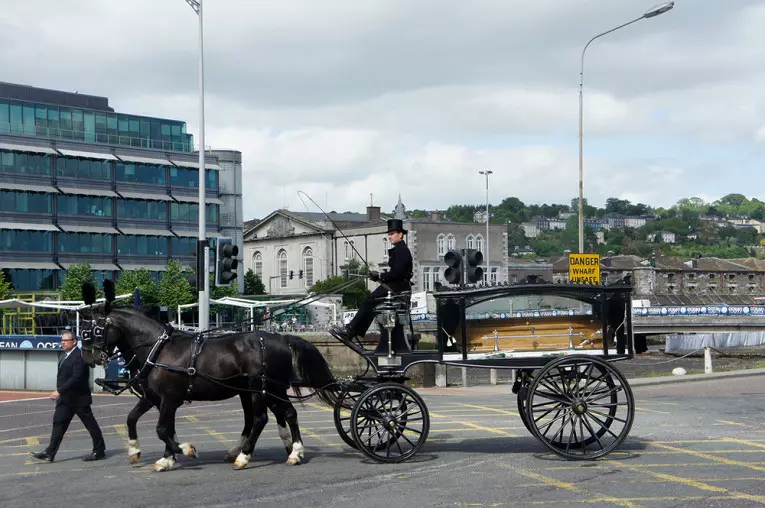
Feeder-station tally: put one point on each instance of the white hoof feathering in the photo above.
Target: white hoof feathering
(134, 450)
(234, 452)
(241, 461)
(188, 450)
(297, 454)
(164, 464)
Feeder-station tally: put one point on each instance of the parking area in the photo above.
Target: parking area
(696, 444)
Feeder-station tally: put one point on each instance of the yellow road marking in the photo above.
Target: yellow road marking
(745, 442)
(691, 483)
(733, 423)
(491, 409)
(121, 430)
(567, 486)
(708, 456)
(646, 410)
(488, 429)
(217, 435)
(32, 441)
(191, 419)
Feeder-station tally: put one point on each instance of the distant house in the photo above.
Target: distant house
(663, 236)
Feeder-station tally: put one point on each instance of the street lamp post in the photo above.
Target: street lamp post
(488, 264)
(650, 13)
(204, 290)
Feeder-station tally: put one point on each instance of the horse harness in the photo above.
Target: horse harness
(99, 330)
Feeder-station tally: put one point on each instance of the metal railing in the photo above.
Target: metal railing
(18, 129)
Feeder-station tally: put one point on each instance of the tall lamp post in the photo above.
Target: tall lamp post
(202, 250)
(488, 265)
(650, 13)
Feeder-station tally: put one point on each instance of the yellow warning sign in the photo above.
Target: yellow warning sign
(584, 268)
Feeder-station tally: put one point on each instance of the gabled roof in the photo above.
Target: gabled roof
(289, 215)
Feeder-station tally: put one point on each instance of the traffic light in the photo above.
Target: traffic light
(225, 261)
(473, 271)
(453, 260)
(292, 274)
(300, 274)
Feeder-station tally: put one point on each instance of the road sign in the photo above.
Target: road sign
(584, 268)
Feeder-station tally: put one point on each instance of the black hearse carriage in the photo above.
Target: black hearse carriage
(559, 338)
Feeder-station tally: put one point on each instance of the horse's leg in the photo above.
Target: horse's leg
(260, 419)
(166, 433)
(246, 400)
(134, 448)
(285, 411)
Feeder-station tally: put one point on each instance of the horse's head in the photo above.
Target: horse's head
(98, 344)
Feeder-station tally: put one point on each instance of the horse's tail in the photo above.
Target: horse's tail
(313, 369)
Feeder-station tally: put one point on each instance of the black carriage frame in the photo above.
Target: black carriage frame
(578, 405)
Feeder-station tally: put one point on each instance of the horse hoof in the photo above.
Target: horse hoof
(241, 461)
(134, 458)
(164, 464)
(293, 461)
(134, 450)
(229, 458)
(189, 450)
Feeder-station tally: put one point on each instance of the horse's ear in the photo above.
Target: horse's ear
(88, 293)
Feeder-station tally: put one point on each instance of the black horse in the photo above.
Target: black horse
(176, 367)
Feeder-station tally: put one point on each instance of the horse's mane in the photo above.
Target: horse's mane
(148, 324)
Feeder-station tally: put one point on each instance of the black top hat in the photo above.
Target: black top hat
(396, 225)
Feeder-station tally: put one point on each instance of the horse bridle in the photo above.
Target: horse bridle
(95, 336)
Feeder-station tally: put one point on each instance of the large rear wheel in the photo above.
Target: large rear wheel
(580, 407)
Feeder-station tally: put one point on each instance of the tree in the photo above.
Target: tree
(252, 284)
(76, 276)
(5, 286)
(174, 288)
(353, 295)
(129, 280)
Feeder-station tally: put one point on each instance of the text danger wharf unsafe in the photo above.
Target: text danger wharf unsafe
(585, 268)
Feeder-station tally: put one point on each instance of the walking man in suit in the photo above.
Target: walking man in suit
(72, 397)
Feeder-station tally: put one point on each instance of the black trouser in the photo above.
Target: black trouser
(366, 314)
(62, 417)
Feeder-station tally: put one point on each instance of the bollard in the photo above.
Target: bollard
(707, 360)
(464, 377)
(441, 376)
(493, 376)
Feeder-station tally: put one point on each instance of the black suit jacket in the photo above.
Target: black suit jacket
(400, 262)
(72, 381)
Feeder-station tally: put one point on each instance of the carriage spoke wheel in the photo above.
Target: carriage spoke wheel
(342, 413)
(580, 407)
(390, 423)
(523, 395)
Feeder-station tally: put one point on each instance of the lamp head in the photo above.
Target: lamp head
(659, 9)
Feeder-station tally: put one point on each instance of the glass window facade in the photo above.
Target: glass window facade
(91, 243)
(24, 163)
(60, 122)
(83, 168)
(184, 177)
(190, 212)
(15, 240)
(85, 205)
(35, 280)
(140, 209)
(142, 245)
(183, 246)
(25, 202)
(141, 173)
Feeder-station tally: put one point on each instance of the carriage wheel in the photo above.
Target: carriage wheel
(580, 407)
(523, 393)
(390, 423)
(342, 414)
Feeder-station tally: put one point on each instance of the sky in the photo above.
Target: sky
(357, 102)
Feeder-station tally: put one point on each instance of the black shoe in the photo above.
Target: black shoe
(94, 456)
(47, 457)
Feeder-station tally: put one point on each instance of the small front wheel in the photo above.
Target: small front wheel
(390, 423)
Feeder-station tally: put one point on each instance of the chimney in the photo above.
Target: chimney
(373, 214)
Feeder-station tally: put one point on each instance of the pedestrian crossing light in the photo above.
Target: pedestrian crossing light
(292, 274)
(473, 271)
(300, 274)
(454, 263)
(225, 261)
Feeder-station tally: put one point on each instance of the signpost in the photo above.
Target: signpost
(584, 268)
